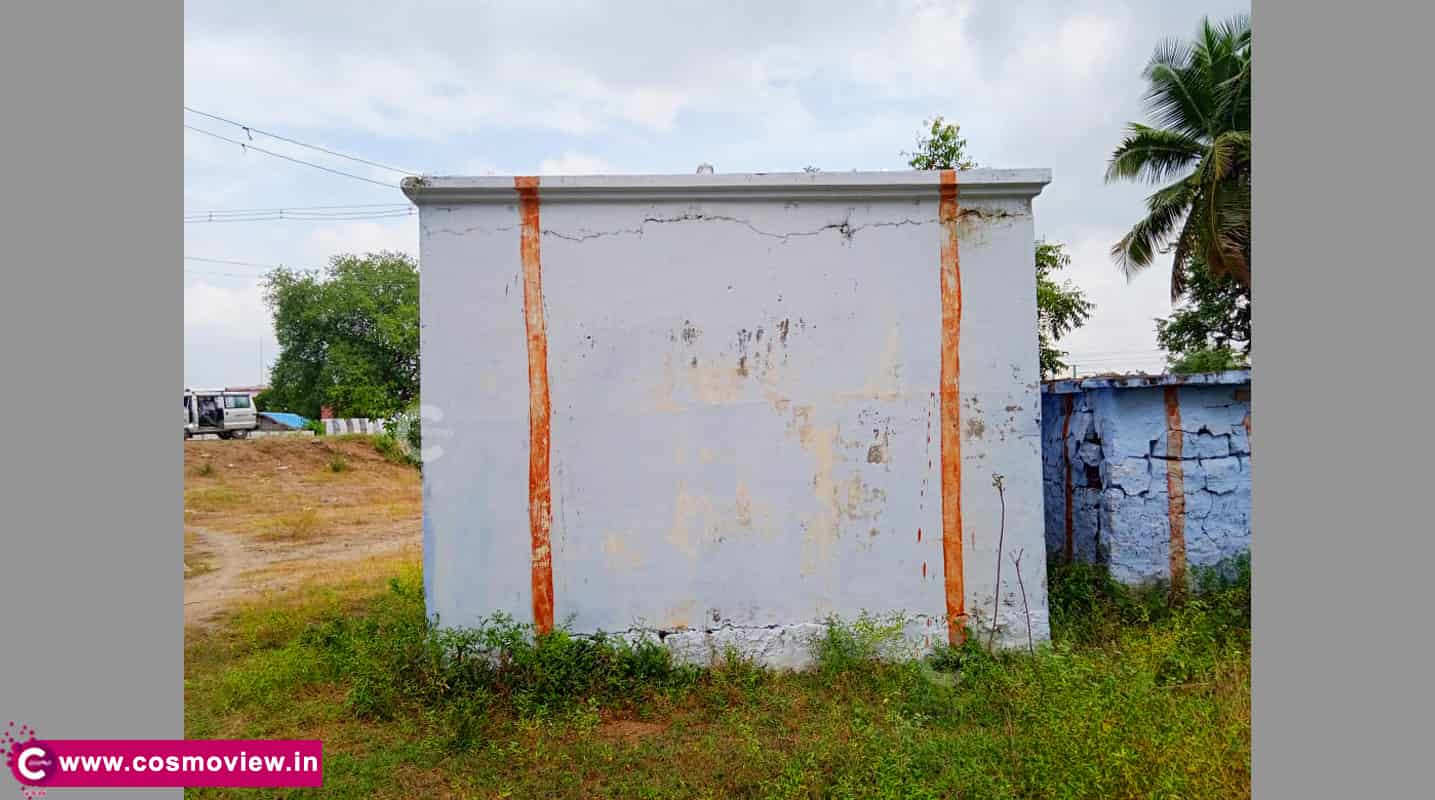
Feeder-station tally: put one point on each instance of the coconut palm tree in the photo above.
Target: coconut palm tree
(1199, 151)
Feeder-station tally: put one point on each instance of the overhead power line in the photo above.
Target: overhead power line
(241, 263)
(250, 129)
(341, 206)
(260, 279)
(301, 216)
(249, 146)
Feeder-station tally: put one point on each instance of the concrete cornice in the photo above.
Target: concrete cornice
(855, 186)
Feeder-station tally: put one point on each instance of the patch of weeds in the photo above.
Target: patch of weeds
(205, 470)
(733, 677)
(1136, 697)
(1088, 606)
(848, 647)
(338, 463)
(393, 450)
(296, 525)
(196, 561)
(396, 659)
(214, 498)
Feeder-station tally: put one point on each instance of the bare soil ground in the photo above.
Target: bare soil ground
(264, 515)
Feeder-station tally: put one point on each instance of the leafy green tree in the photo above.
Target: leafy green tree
(1060, 307)
(1211, 329)
(1199, 151)
(1207, 359)
(940, 146)
(348, 336)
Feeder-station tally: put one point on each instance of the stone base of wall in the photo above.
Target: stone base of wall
(793, 646)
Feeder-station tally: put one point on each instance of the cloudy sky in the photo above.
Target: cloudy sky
(627, 87)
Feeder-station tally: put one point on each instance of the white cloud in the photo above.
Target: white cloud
(571, 163)
(1121, 331)
(468, 88)
(360, 237)
(227, 330)
(224, 311)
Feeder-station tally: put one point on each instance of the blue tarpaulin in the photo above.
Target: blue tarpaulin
(284, 418)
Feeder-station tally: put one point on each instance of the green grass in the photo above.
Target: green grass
(1135, 697)
(394, 450)
(385, 444)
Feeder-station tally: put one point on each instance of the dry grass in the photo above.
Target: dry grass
(293, 526)
(347, 583)
(288, 488)
(196, 558)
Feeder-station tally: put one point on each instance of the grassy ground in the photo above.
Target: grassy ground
(265, 515)
(1135, 698)
(301, 488)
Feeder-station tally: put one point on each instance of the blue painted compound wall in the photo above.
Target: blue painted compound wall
(1107, 459)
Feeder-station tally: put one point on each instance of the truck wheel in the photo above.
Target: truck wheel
(241, 434)
(225, 434)
(188, 435)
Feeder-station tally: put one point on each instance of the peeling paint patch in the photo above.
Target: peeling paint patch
(877, 452)
(744, 506)
(822, 529)
(692, 516)
(618, 553)
(976, 428)
(951, 442)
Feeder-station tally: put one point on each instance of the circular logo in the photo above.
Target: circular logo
(34, 763)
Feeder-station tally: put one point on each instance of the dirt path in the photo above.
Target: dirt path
(241, 566)
(271, 514)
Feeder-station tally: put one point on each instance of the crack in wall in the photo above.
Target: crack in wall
(1121, 508)
(431, 231)
(845, 227)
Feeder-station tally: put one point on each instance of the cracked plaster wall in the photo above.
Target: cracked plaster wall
(1116, 445)
(745, 421)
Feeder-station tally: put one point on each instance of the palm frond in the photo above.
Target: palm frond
(1175, 98)
(1199, 100)
(1165, 209)
(1152, 154)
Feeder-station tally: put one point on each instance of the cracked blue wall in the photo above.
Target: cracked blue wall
(1116, 448)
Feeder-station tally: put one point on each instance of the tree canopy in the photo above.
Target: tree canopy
(1211, 329)
(1060, 307)
(348, 336)
(1199, 150)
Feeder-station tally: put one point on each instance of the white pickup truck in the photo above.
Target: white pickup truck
(230, 415)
